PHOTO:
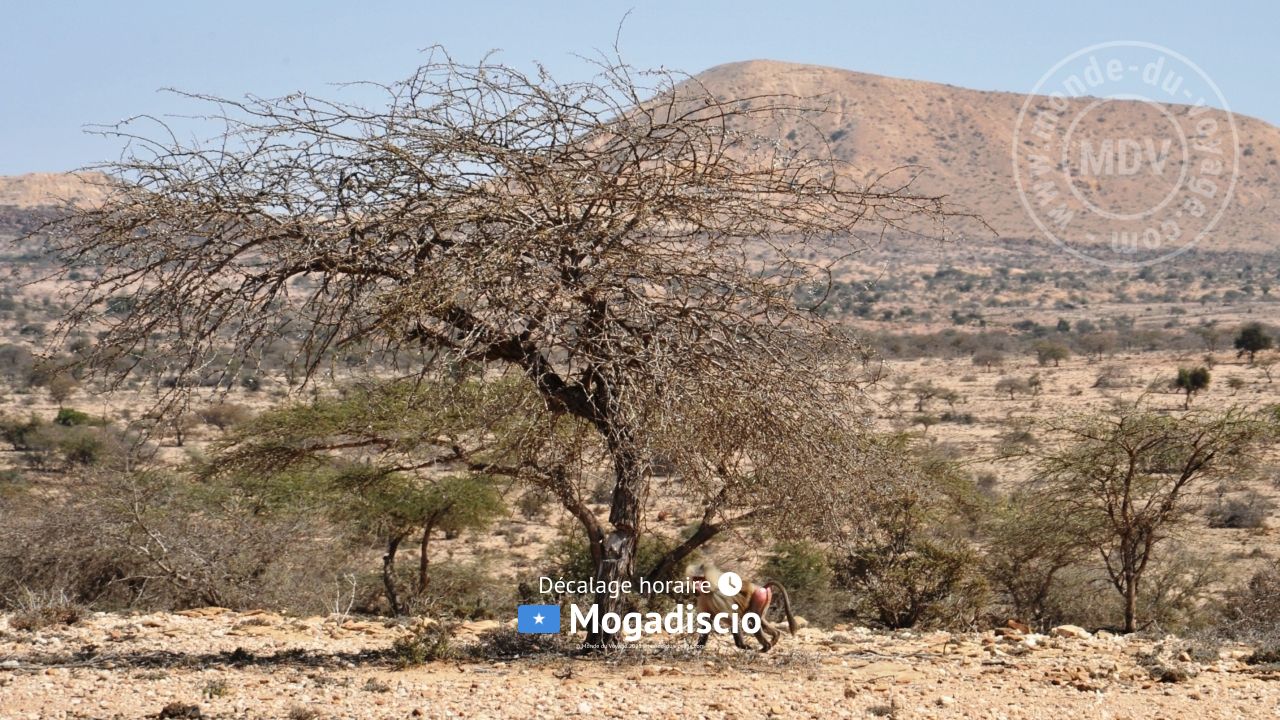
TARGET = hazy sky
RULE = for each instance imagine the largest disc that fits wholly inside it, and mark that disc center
(67, 64)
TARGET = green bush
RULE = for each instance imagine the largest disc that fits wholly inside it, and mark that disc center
(465, 591)
(86, 446)
(924, 582)
(803, 570)
(912, 560)
(70, 417)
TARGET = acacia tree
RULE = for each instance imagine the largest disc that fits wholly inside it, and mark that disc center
(1251, 340)
(392, 506)
(632, 245)
(1191, 381)
(1131, 473)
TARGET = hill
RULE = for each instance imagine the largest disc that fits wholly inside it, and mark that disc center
(35, 190)
(963, 141)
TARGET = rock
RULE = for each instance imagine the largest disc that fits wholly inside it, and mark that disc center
(1018, 625)
(1165, 662)
(481, 626)
(1070, 631)
(204, 612)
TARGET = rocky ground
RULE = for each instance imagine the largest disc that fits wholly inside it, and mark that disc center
(219, 664)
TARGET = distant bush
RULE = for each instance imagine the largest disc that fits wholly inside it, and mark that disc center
(224, 415)
(1249, 512)
(70, 417)
(20, 433)
(533, 502)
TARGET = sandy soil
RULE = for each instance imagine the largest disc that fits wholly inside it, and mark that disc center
(262, 665)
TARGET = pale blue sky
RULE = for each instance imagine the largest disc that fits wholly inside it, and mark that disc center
(67, 64)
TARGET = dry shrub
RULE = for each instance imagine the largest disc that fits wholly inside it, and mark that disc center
(465, 590)
(1249, 511)
(1251, 613)
(424, 644)
(507, 644)
(152, 541)
(36, 611)
(224, 415)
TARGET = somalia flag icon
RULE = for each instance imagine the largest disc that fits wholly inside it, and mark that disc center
(538, 619)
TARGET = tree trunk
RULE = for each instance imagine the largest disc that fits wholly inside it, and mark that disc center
(1131, 608)
(618, 551)
(422, 558)
(389, 574)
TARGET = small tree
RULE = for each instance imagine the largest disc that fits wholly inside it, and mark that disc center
(1014, 386)
(988, 359)
(927, 391)
(1129, 474)
(392, 506)
(1050, 351)
(1236, 384)
(1251, 340)
(1191, 381)
(1210, 336)
(1097, 344)
(61, 387)
(1266, 365)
